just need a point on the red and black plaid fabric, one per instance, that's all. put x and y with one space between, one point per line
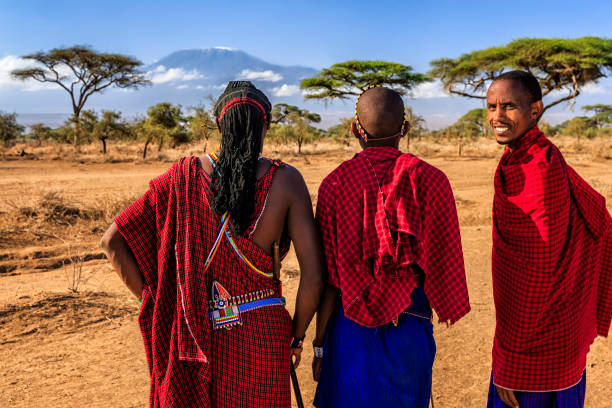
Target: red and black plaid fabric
380 214
552 275
170 231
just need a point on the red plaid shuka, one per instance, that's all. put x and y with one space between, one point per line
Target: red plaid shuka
552 275
170 231
380 214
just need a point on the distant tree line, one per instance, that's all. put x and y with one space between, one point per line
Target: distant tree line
559 64
167 125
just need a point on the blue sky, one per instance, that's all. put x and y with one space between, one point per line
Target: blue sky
313 33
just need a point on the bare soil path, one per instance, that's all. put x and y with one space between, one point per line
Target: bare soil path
64 349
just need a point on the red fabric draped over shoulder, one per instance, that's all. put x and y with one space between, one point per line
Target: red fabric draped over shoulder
551 268
381 214
170 231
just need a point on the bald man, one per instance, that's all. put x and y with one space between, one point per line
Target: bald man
393 252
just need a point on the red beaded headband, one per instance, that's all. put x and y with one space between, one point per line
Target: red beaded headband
363 133
239 101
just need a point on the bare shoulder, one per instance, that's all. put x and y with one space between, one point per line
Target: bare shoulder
289 175
290 181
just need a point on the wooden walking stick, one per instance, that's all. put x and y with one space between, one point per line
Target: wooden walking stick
294 379
296 387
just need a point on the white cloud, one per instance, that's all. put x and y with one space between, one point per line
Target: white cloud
10 63
593 89
199 87
182 87
429 90
555 118
588 89
285 90
161 75
267 75
224 48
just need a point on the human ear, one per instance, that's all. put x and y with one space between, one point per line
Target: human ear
406 128
537 108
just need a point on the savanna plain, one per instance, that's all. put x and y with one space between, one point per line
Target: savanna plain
68 327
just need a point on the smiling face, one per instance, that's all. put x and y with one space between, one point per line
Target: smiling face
510 111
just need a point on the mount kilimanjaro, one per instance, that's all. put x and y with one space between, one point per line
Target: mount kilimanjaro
187 77
196 72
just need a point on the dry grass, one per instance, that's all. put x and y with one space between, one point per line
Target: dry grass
53 212
122 151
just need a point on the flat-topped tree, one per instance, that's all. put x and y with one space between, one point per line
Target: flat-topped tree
9 128
603 113
110 126
81 72
417 126
299 120
282 113
559 64
350 78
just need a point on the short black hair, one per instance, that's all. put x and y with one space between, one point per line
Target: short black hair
527 80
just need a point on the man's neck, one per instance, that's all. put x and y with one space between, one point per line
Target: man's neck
518 141
380 143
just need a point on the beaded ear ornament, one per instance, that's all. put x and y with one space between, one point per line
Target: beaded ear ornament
363 133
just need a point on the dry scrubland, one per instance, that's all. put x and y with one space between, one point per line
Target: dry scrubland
68 330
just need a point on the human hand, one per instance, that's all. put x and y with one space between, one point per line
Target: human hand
507 396
296 356
316 368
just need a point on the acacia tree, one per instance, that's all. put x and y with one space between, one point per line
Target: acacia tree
559 64
9 128
299 120
110 126
40 132
81 72
201 124
342 131
417 126
603 113
471 125
350 78
86 123
281 113
165 120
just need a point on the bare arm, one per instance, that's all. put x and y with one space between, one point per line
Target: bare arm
307 243
326 308
120 256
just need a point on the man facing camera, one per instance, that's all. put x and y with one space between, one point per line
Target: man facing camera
552 259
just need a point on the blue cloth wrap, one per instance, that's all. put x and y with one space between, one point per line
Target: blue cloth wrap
572 397
385 366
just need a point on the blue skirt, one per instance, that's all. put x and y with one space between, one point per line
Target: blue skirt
570 398
385 366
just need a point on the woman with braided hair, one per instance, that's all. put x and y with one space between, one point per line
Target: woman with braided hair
196 249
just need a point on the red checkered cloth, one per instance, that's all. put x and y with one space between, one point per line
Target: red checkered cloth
170 231
552 275
380 214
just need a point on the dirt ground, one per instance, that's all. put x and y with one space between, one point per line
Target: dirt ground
68 329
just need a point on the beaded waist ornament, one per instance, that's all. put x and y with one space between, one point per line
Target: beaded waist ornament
226 310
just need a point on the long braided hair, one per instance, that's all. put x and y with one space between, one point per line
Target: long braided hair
242 113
